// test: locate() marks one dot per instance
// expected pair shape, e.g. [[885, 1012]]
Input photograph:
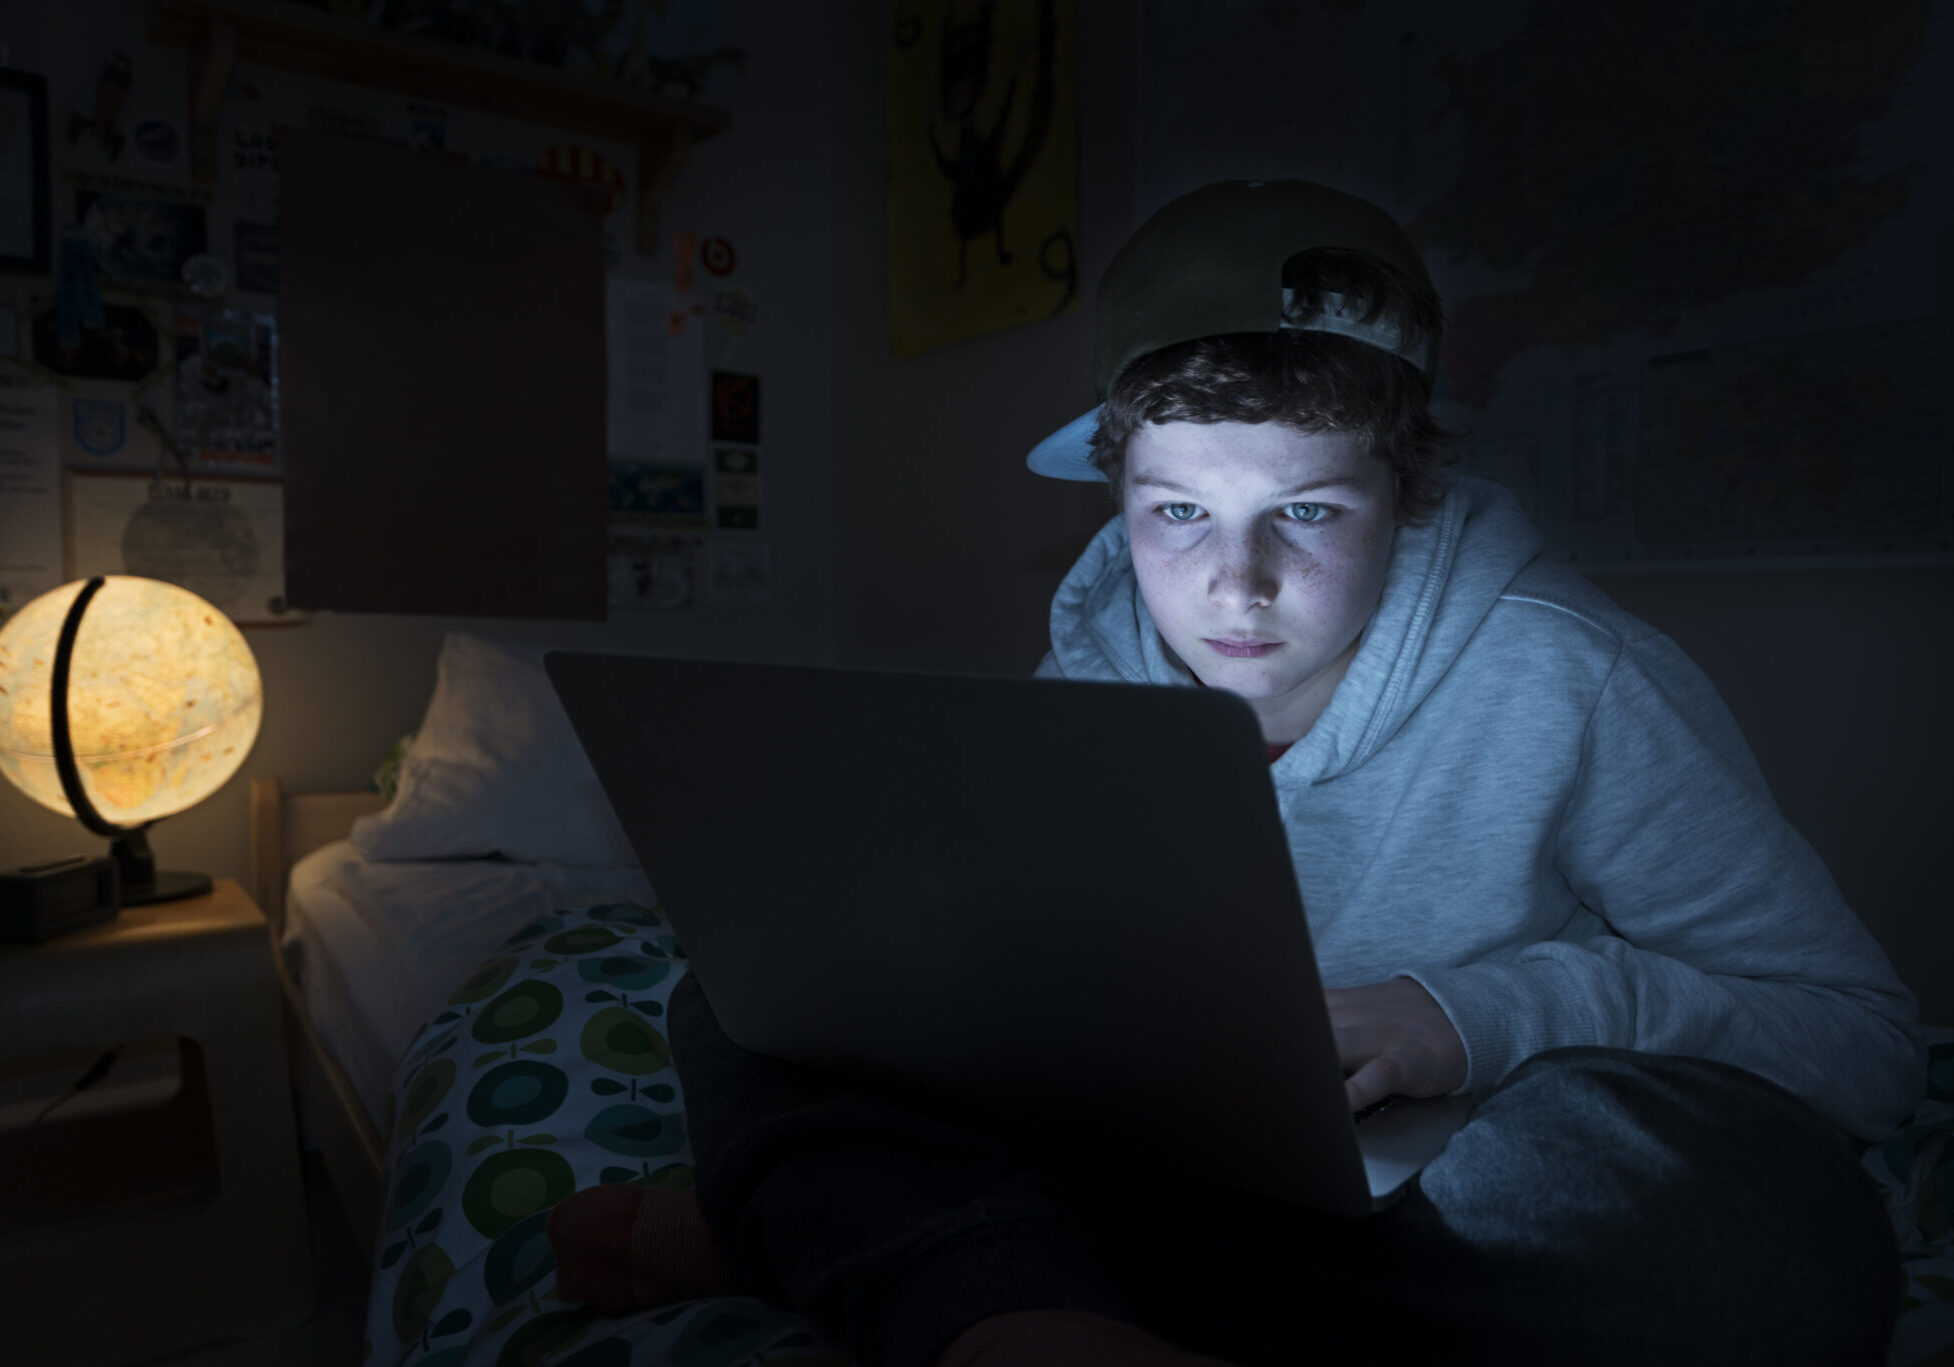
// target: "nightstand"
[[162, 1208]]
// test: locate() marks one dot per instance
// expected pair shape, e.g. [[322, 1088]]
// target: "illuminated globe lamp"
[[123, 701]]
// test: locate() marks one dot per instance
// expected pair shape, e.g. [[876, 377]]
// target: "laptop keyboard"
[[1373, 1109]]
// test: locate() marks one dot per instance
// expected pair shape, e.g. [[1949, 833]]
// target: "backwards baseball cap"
[[1211, 262]]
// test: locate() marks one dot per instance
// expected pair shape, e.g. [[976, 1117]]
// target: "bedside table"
[[163, 1207]]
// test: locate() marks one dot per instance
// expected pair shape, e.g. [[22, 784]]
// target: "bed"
[[474, 973]]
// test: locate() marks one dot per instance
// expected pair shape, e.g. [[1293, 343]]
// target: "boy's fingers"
[[1371, 1083]]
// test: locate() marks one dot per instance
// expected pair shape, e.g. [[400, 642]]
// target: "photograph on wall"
[[98, 342], [222, 539], [142, 233], [23, 173], [982, 201], [227, 387]]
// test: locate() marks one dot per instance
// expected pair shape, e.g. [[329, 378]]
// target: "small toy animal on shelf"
[[689, 73], [111, 89]]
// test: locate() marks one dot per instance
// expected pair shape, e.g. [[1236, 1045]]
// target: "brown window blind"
[[442, 375]]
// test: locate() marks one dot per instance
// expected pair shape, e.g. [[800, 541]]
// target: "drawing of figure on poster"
[[982, 194]]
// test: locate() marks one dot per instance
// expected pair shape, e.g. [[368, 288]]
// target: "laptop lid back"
[[1068, 906]]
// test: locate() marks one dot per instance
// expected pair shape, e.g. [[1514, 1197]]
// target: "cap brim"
[[1067, 453]]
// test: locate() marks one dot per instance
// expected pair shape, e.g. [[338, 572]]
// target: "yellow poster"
[[982, 168]]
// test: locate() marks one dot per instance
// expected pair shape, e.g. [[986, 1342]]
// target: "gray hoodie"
[[1539, 808]]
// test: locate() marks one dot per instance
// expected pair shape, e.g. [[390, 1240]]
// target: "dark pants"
[[1601, 1206]]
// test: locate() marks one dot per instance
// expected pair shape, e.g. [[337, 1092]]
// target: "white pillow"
[[495, 769]]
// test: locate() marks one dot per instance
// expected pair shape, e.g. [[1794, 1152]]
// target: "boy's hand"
[[1394, 1041]]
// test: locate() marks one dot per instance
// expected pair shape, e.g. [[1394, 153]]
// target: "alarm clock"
[[41, 901]]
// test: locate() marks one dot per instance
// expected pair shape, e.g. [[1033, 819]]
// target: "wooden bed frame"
[[285, 827]]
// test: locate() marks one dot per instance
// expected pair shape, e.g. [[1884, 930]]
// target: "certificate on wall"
[[222, 539]]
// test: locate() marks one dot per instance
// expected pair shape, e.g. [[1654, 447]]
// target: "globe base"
[[168, 885]]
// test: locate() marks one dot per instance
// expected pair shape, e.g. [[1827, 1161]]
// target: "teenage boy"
[[1540, 865]]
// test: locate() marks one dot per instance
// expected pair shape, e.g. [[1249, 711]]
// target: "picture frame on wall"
[[24, 234]]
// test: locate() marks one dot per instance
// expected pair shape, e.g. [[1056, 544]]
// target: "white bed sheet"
[[378, 947]]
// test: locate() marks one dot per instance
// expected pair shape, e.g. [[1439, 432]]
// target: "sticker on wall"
[[158, 142], [654, 495], [584, 166], [716, 254], [111, 89], [101, 426], [326, 119], [204, 276], [734, 310], [254, 166], [735, 407], [254, 250], [736, 489], [739, 574]]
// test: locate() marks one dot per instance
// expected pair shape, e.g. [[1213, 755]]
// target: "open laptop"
[[1069, 906]]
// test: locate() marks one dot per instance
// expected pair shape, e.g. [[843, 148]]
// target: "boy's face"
[[1261, 553]]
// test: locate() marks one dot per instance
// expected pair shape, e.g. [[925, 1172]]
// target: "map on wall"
[[1689, 252]]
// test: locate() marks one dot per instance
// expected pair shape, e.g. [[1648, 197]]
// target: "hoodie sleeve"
[[1730, 939]]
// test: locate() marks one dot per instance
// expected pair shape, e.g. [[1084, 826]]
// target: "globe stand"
[[141, 882]]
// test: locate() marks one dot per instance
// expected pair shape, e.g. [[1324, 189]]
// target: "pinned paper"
[[656, 380], [652, 569], [30, 496]]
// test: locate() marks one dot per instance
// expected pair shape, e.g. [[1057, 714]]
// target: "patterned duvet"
[[547, 1072]]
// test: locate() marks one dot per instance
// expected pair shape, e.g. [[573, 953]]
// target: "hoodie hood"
[[1444, 577]]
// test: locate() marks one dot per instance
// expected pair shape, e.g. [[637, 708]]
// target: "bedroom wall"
[[341, 687], [924, 544]]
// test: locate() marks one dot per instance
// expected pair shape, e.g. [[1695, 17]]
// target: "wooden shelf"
[[292, 37]]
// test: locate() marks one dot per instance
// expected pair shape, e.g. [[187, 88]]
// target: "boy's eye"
[[1306, 512], [1180, 512]]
